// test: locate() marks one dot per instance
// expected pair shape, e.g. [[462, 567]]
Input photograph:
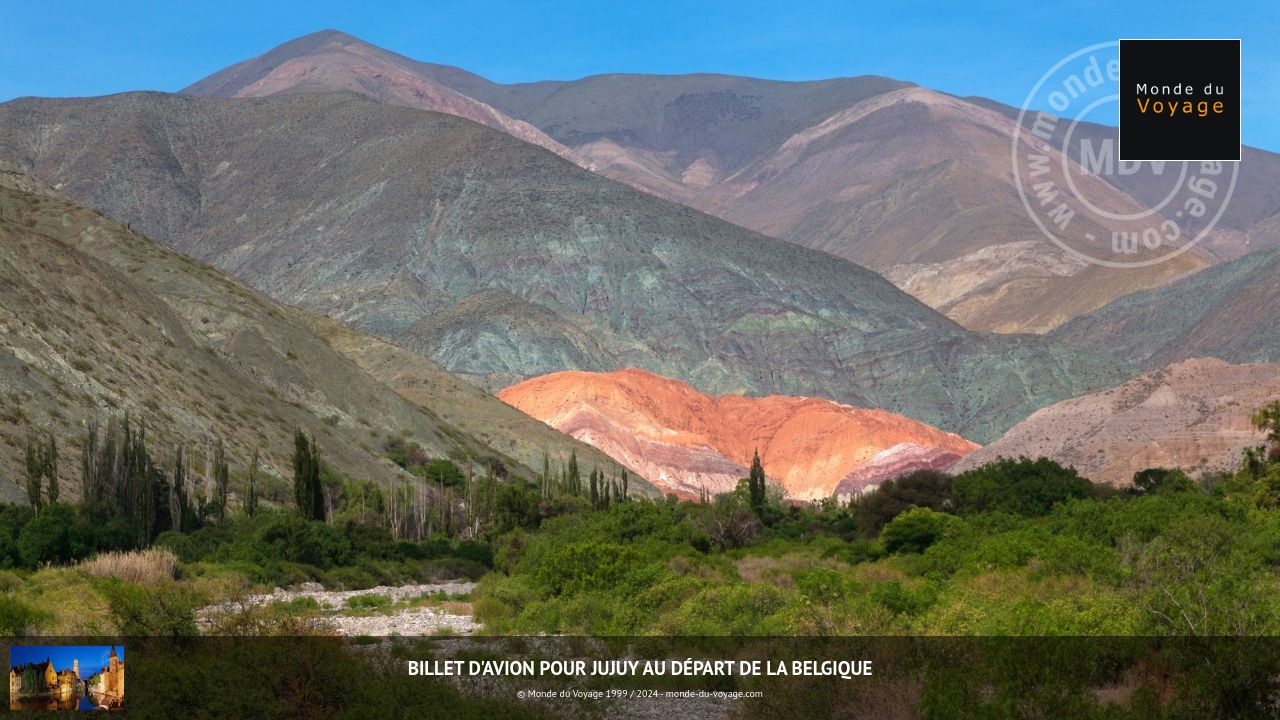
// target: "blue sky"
[[983, 48], [92, 657]]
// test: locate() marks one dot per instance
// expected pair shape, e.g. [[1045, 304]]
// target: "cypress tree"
[[546, 476], [35, 472], [221, 477], [302, 474], [177, 494], [50, 467], [574, 479], [756, 483], [251, 486], [317, 487]]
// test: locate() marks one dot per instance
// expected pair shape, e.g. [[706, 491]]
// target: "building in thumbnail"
[[110, 687], [37, 679]]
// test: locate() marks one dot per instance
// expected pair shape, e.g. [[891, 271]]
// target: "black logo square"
[[1180, 100]]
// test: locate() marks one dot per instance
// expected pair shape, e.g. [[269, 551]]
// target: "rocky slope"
[[1228, 311], [684, 440], [96, 320], [501, 261], [1193, 414], [463, 405]]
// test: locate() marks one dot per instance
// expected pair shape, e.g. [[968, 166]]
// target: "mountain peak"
[[229, 81]]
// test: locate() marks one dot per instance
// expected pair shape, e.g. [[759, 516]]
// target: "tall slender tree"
[[221, 477], [308, 492], [177, 493], [251, 485], [35, 472], [756, 483], [50, 467]]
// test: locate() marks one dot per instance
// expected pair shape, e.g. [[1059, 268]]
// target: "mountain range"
[[910, 182], [502, 261], [760, 253]]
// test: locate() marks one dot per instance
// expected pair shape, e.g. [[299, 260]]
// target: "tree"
[[42, 464], [1022, 486], [1155, 481], [51, 468], [546, 476], [178, 493], [35, 471], [221, 476], [47, 538], [574, 477], [728, 524], [251, 485], [923, 488], [307, 490], [756, 483], [1267, 420]]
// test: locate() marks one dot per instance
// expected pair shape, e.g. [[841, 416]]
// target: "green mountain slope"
[[1228, 311], [501, 261], [98, 321]]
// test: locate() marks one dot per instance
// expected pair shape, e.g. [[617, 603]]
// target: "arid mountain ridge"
[[907, 181], [1193, 415]]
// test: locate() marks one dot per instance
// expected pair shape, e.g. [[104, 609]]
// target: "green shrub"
[[372, 602], [1160, 480], [162, 610], [18, 619], [915, 530], [311, 542], [737, 609]]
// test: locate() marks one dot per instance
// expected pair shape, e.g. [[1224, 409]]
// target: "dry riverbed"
[[403, 610]]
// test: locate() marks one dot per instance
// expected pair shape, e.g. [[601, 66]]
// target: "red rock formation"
[[683, 440], [1193, 415]]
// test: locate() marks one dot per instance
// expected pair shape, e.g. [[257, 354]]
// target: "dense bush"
[[915, 530], [165, 610], [1022, 486], [922, 488], [17, 619]]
